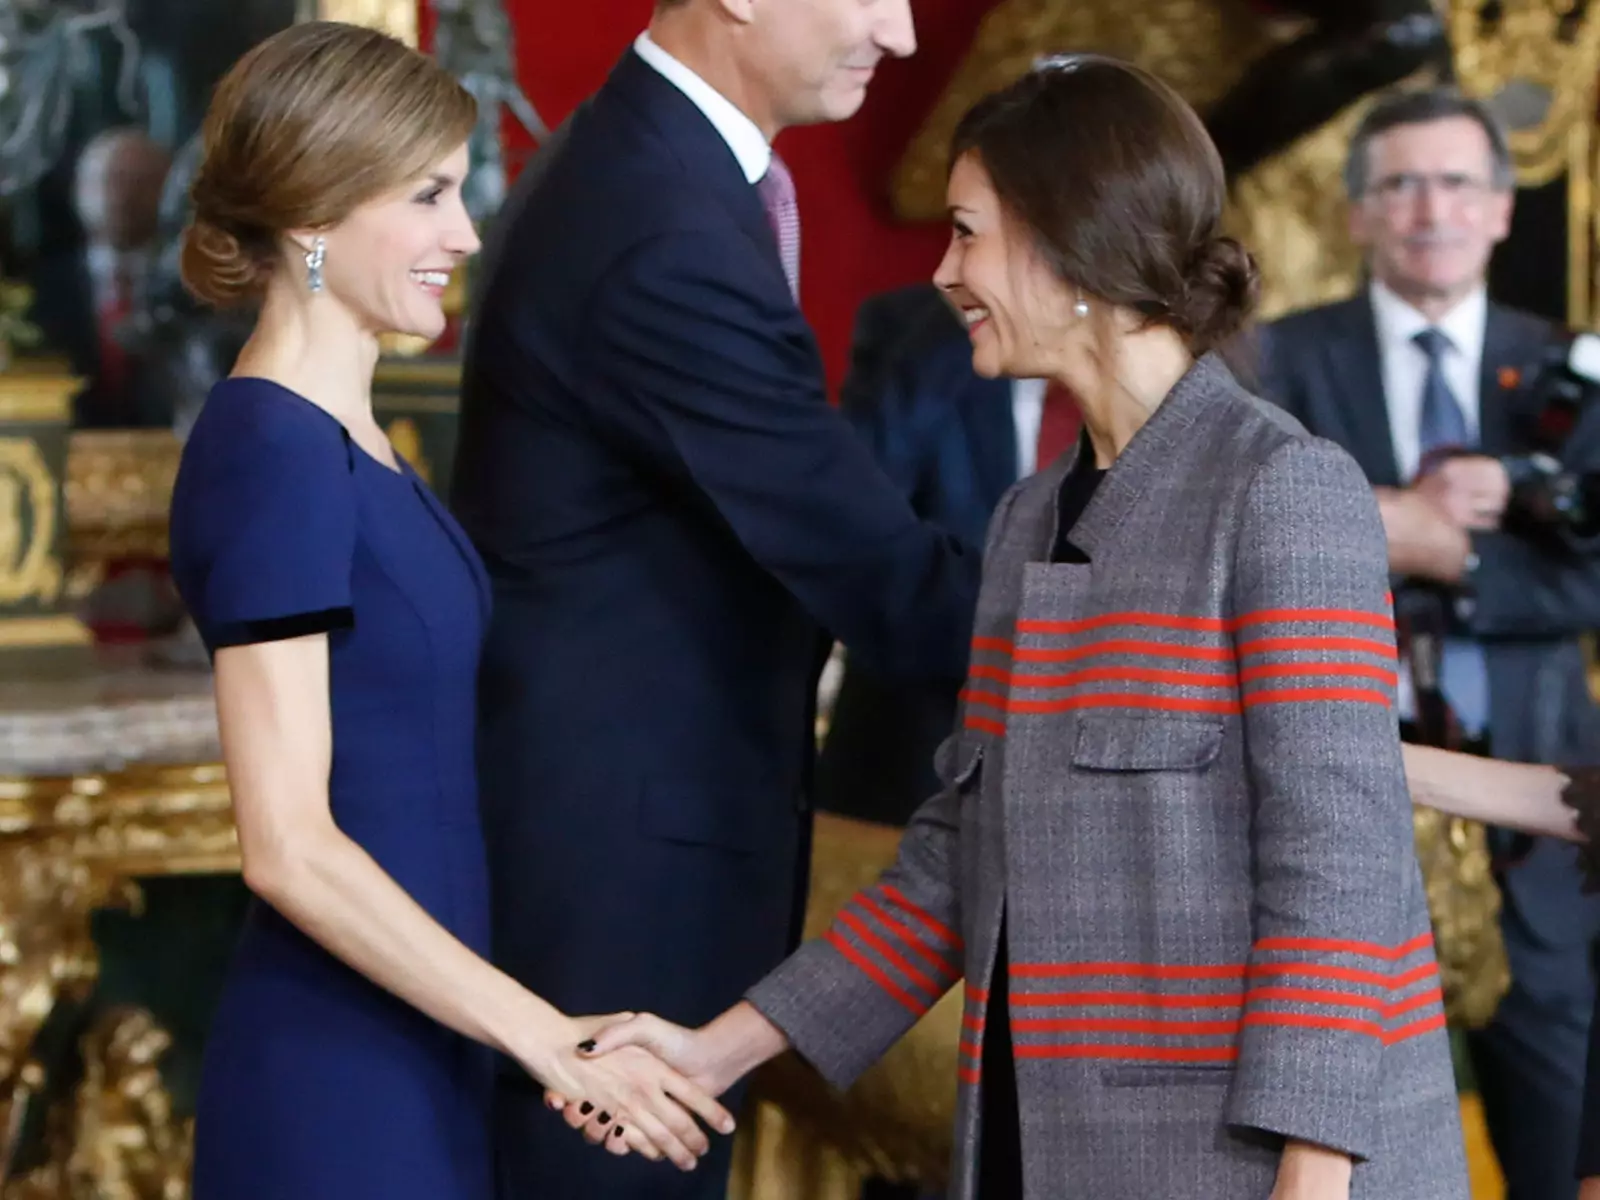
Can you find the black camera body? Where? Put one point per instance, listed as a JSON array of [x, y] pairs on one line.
[[1552, 396]]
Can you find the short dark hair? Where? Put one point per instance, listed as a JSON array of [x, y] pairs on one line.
[[1423, 108], [1122, 189]]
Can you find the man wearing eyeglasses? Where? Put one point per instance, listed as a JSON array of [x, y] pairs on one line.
[[1415, 376]]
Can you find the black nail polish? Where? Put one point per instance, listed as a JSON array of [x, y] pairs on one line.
[[585, 1109], [617, 1131], [605, 1118], [587, 1046]]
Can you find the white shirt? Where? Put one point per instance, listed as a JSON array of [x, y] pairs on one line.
[[744, 137], [1405, 366], [1405, 370], [1027, 412]]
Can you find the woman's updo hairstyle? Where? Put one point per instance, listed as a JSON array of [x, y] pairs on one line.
[[307, 126], [1122, 189]]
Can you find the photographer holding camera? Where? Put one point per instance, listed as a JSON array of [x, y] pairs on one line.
[[1469, 420]]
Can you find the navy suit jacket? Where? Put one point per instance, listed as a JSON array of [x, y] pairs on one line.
[[1533, 600], [675, 521], [947, 437]]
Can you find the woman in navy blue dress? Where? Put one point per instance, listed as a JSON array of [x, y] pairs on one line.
[[352, 1053]]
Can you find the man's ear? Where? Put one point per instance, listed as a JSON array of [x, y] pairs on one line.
[[1499, 212]]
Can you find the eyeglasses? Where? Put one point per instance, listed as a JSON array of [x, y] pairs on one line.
[[1406, 187]]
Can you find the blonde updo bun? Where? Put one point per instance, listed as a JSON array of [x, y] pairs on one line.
[[306, 127], [217, 268]]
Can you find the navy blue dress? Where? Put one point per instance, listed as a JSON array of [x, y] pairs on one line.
[[318, 1084]]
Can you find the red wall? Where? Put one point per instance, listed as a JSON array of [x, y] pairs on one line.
[[851, 244]]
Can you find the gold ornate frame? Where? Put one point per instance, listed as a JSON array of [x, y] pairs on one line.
[[396, 17], [1540, 47]]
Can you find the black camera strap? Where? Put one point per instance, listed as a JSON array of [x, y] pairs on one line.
[[1423, 616]]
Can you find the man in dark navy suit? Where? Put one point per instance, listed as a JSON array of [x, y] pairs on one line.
[[676, 522], [1410, 366], [953, 442]]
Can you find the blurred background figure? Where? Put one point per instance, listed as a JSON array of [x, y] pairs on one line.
[[85, 296]]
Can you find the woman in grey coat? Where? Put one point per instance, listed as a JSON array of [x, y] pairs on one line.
[[1172, 858]]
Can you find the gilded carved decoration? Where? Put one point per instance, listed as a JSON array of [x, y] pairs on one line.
[[1546, 52], [395, 17], [117, 1139], [119, 487], [68, 847], [1538, 62], [29, 568], [1465, 905], [35, 409]]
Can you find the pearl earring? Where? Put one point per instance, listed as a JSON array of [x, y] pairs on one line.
[[314, 260], [1081, 308]]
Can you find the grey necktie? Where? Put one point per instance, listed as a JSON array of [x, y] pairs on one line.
[[1464, 671]]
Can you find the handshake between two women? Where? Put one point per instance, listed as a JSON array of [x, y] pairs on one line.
[[638, 1083]]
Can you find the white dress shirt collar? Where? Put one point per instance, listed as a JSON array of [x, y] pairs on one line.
[[1404, 366], [1398, 322], [744, 137]]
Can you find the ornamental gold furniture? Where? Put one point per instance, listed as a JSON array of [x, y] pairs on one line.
[[37, 628]]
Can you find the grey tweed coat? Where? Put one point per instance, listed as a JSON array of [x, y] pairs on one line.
[[1178, 771]]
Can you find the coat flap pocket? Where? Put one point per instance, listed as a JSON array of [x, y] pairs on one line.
[[957, 761], [1117, 742]]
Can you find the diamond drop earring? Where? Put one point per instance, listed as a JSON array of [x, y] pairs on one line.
[[1081, 308], [314, 260]]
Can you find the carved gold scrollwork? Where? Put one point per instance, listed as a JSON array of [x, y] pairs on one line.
[[68, 847], [119, 488], [1536, 59], [397, 18], [29, 569], [1538, 63], [1465, 906]]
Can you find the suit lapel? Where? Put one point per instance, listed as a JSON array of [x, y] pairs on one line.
[[1355, 370], [1500, 351], [688, 134]]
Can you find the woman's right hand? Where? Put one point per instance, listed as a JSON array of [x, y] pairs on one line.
[[639, 1102]]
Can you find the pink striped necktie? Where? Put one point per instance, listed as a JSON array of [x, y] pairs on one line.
[[776, 190]]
